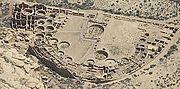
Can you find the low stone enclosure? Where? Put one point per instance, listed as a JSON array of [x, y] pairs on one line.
[[98, 65]]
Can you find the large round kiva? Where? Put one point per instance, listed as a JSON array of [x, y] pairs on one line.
[[101, 54], [95, 30]]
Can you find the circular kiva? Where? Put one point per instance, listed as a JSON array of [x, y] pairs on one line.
[[50, 28], [64, 44], [95, 29], [60, 53], [68, 59], [41, 22], [53, 40], [90, 62], [27, 11], [40, 12], [39, 28], [39, 36], [111, 62], [125, 60], [101, 54], [48, 35], [142, 40]]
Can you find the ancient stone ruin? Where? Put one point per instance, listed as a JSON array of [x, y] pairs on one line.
[[74, 44]]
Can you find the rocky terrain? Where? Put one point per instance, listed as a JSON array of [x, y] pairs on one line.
[[148, 9]]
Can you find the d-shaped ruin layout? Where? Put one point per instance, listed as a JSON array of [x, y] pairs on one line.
[[80, 44]]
